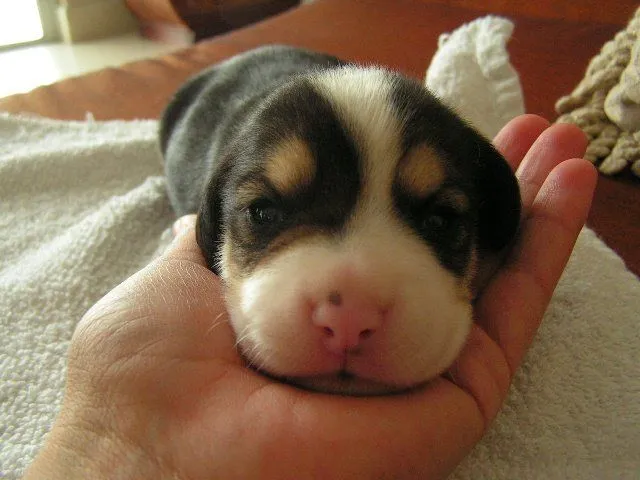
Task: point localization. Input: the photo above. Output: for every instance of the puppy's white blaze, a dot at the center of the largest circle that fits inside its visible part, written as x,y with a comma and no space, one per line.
362,99
364,105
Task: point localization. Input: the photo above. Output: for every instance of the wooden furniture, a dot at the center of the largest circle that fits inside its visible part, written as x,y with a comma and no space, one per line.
205,18
617,12
550,54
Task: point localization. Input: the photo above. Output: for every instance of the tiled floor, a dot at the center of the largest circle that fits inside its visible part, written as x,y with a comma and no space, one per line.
23,69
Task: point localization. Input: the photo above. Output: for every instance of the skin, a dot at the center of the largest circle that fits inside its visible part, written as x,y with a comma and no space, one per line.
156,390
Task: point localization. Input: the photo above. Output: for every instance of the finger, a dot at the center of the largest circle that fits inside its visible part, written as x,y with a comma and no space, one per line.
404,431
517,136
183,223
482,371
184,245
556,144
542,148
512,305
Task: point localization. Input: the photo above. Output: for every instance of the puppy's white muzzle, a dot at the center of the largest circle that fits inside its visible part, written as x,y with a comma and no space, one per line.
375,307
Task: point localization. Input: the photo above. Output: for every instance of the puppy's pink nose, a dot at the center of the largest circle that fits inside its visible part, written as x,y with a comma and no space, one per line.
346,320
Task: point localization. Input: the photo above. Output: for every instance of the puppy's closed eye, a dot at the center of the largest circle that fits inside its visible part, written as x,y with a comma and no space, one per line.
344,208
444,224
264,214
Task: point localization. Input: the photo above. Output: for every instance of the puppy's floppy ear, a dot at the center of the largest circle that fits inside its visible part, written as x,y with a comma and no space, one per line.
499,199
209,224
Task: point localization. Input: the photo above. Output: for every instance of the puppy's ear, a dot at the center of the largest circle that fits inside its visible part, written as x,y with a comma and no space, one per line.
183,99
499,199
209,224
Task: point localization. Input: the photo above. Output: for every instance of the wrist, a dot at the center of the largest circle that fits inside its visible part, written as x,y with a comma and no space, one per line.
74,450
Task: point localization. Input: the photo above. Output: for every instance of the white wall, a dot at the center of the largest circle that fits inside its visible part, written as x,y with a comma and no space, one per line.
91,19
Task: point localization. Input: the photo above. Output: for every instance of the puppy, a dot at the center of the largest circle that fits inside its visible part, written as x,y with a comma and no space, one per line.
344,208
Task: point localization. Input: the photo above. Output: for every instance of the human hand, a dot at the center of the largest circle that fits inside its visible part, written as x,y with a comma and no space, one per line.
155,388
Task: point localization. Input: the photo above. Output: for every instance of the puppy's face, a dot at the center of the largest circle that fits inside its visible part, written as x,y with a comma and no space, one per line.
346,223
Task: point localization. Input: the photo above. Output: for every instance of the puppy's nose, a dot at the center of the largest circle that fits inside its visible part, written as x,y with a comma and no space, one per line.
346,319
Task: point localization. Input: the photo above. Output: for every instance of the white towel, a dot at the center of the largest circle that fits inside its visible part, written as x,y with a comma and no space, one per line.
82,206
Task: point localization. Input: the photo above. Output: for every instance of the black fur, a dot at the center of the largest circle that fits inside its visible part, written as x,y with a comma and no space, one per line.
206,114
204,129
472,165
294,109
470,160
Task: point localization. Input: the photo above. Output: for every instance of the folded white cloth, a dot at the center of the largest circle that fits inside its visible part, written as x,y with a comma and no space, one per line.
471,72
83,205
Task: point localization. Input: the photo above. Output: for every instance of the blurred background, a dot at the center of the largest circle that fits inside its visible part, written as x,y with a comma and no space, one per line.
43,41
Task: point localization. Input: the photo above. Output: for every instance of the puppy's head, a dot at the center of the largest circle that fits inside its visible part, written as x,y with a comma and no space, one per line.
345,220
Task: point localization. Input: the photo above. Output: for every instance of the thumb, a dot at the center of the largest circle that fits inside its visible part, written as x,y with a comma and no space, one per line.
184,245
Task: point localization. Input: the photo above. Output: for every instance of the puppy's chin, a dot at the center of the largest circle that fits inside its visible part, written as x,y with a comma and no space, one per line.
344,383
339,382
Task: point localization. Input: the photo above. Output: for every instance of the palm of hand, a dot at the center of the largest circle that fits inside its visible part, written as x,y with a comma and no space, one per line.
159,357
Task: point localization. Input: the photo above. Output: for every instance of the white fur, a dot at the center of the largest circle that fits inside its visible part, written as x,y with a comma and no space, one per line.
429,317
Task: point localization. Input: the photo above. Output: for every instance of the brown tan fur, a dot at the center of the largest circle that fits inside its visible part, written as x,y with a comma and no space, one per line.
290,166
420,172
249,191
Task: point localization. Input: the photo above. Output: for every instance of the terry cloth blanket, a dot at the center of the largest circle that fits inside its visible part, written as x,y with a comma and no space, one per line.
83,205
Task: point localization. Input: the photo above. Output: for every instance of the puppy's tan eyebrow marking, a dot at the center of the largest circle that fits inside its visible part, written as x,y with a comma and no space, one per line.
249,191
420,172
290,166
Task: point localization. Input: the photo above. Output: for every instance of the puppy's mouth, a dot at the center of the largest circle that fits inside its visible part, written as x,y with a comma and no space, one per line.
342,382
